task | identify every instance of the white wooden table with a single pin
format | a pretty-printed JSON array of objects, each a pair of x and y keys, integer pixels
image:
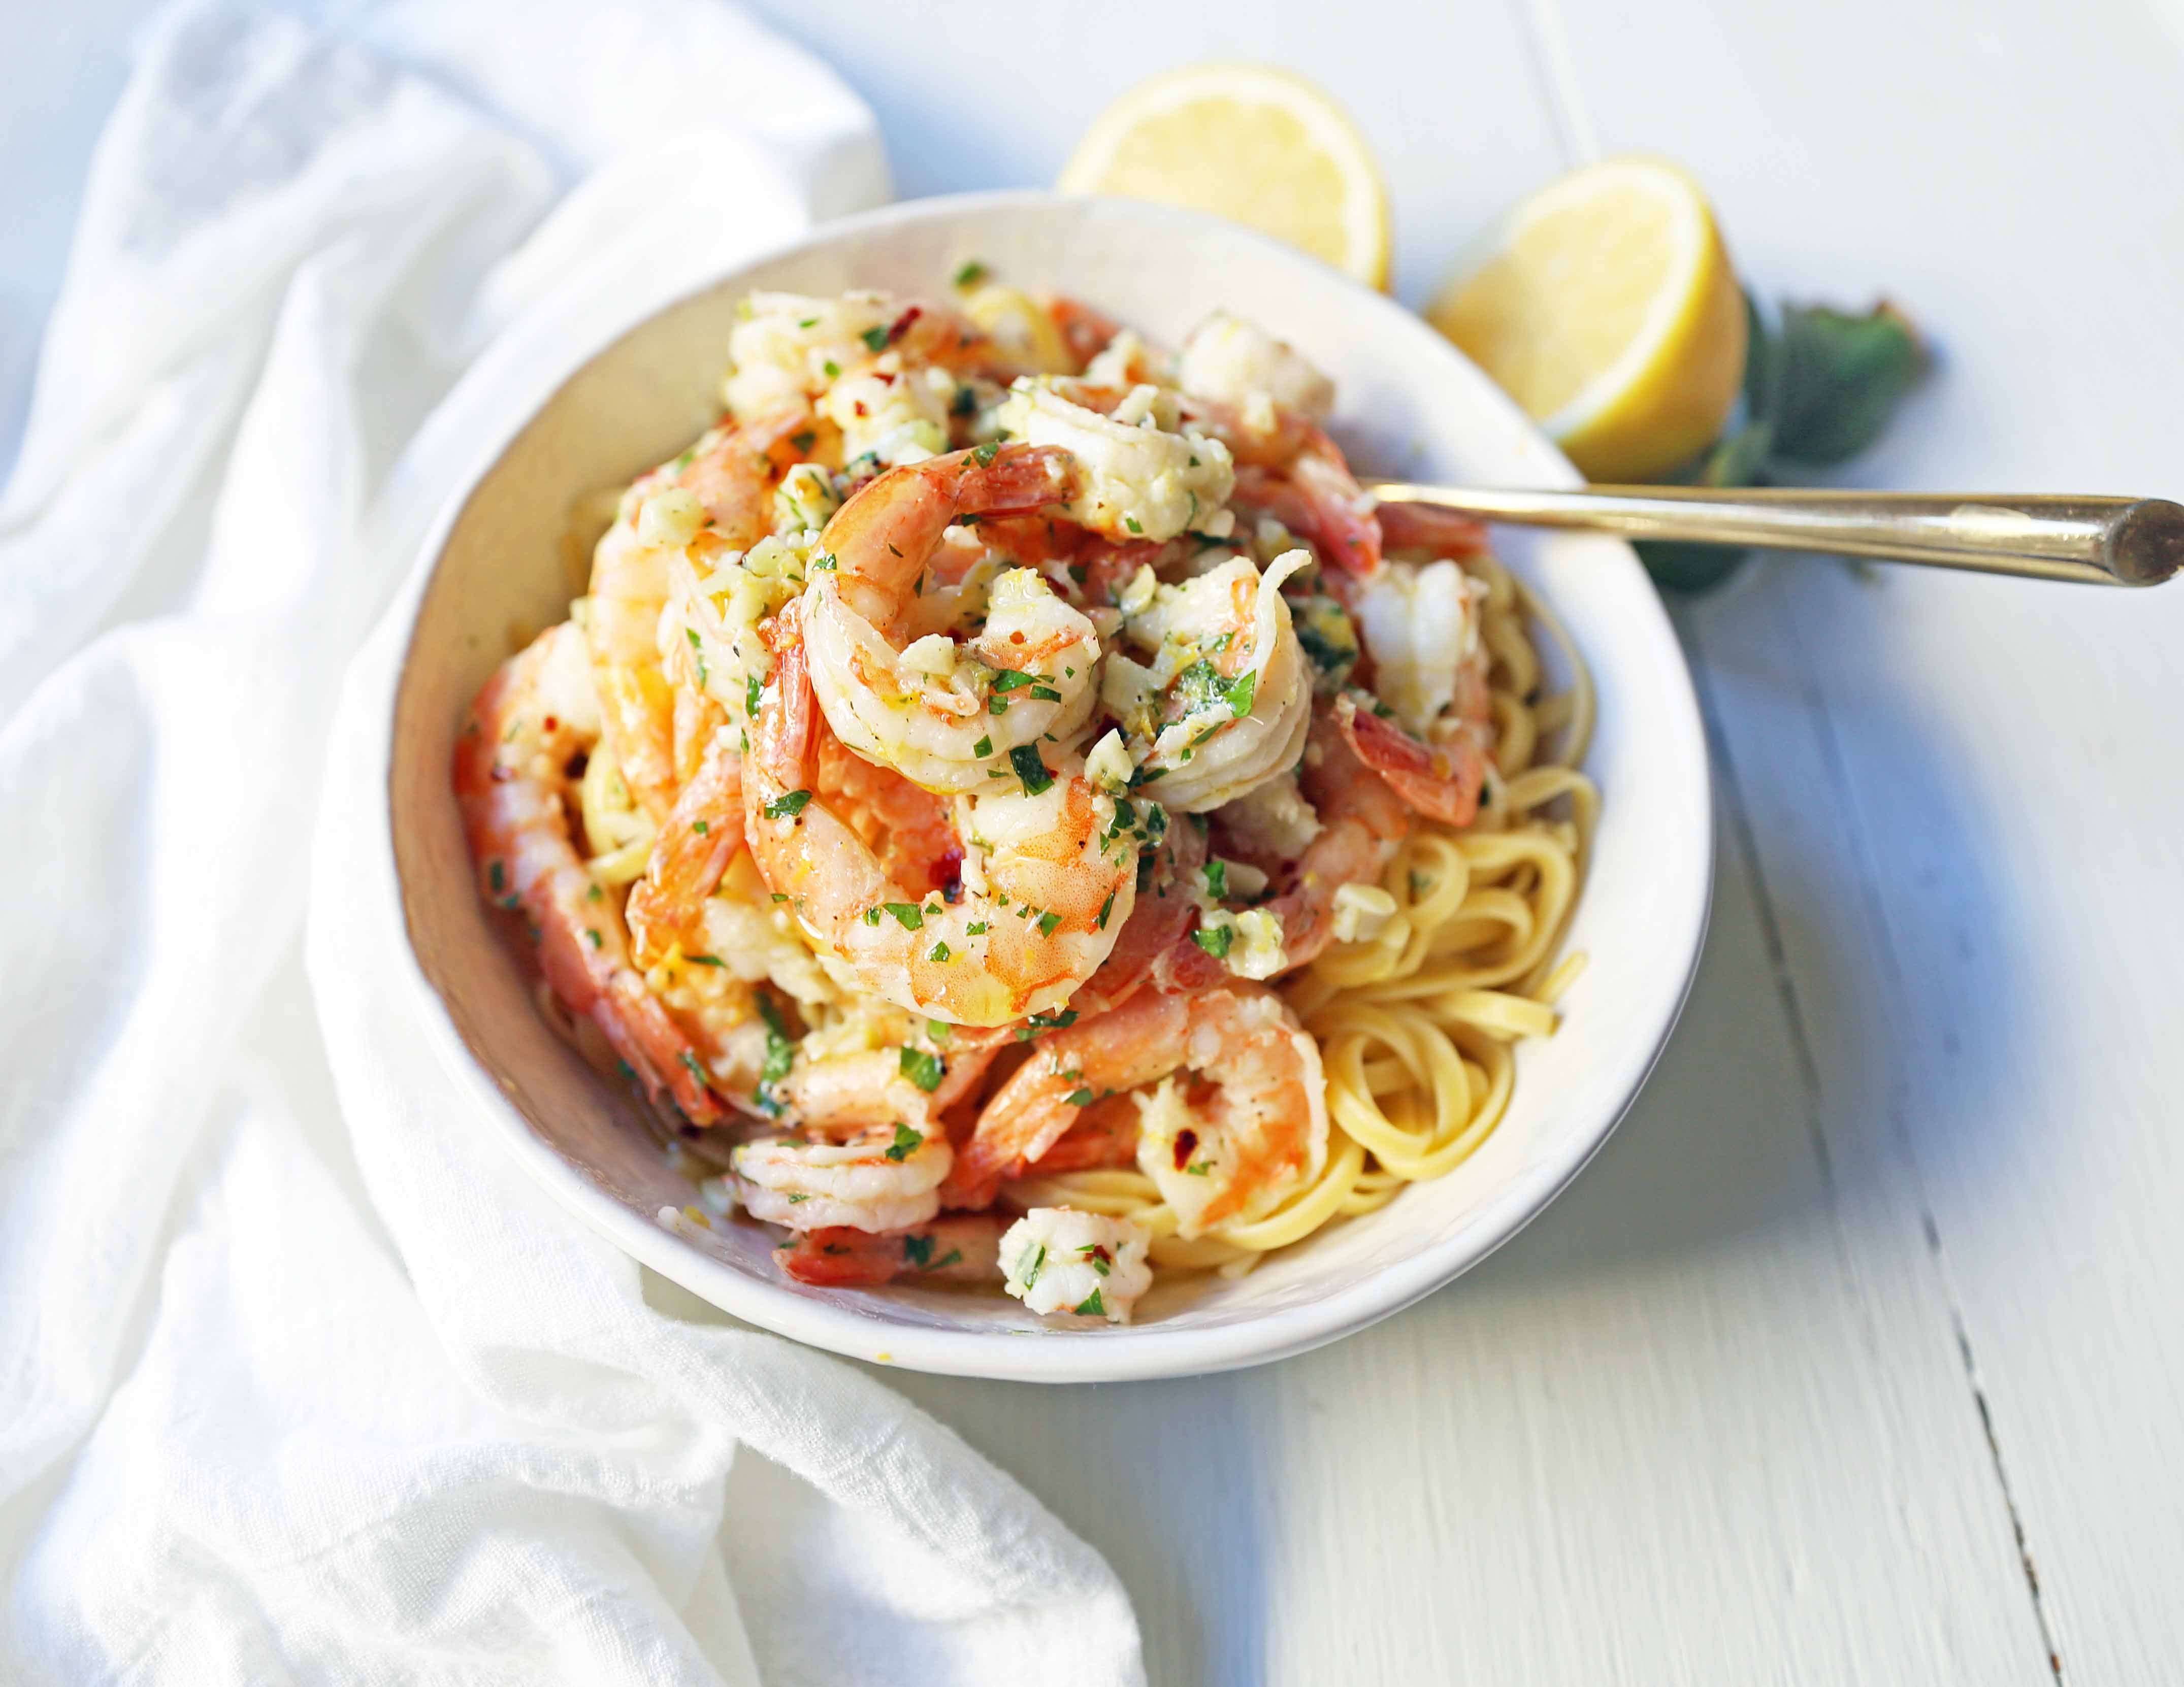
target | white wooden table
[{"x": 1857, "y": 1354}]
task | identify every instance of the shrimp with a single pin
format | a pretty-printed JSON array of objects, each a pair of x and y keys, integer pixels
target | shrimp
[
  {"x": 534, "y": 717},
  {"x": 1421, "y": 628},
  {"x": 1316, "y": 497},
  {"x": 1441, "y": 780},
  {"x": 718, "y": 500},
  {"x": 1360, "y": 819},
  {"x": 1048, "y": 880},
  {"x": 900, "y": 690},
  {"x": 854, "y": 1092},
  {"x": 958, "y": 1248},
  {"x": 1250, "y": 1123},
  {"x": 1224, "y": 699},
  {"x": 884, "y": 1179},
  {"x": 691, "y": 849},
  {"x": 1166, "y": 909}
]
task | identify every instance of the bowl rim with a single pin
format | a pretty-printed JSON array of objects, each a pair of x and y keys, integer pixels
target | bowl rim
[{"x": 567, "y": 341}]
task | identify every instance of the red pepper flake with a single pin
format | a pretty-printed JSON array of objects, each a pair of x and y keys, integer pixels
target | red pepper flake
[
  {"x": 552, "y": 724},
  {"x": 862, "y": 410},
  {"x": 1186, "y": 1145},
  {"x": 901, "y": 324}
]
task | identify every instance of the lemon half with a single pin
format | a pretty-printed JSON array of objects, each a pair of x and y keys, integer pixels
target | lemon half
[
  {"x": 1606, "y": 306},
  {"x": 1254, "y": 146}
]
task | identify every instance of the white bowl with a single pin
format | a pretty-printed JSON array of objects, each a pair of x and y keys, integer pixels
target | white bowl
[{"x": 1409, "y": 404}]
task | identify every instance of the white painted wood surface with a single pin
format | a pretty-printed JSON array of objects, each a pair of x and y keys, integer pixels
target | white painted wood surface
[{"x": 1872, "y": 1308}]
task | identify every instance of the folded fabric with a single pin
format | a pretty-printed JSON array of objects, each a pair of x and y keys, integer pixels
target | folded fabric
[{"x": 300, "y": 1379}]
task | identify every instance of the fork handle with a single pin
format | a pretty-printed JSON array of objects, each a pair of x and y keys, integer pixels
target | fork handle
[{"x": 2097, "y": 541}]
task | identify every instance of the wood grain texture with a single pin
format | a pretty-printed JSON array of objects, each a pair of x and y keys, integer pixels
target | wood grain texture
[{"x": 1967, "y": 793}]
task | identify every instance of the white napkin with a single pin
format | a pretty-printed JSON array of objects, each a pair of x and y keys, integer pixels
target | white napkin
[{"x": 284, "y": 1402}]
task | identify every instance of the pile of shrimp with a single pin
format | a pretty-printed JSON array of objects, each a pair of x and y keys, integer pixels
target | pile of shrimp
[{"x": 954, "y": 750}]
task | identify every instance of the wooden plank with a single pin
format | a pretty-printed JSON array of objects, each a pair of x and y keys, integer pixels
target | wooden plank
[{"x": 1972, "y": 849}]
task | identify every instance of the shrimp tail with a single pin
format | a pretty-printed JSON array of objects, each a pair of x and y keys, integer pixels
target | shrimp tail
[{"x": 1443, "y": 783}]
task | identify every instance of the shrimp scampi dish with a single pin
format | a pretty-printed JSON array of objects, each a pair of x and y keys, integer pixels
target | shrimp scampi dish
[{"x": 1019, "y": 816}]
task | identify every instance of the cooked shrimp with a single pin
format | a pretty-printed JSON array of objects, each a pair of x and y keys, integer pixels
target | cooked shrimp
[
  {"x": 691, "y": 849},
  {"x": 895, "y": 683},
  {"x": 534, "y": 717},
  {"x": 717, "y": 500},
  {"x": 871, "y": 1087},
  {"x": 791, "y": 347},
  {"x": 1049, "y": 877},
  {"x": 1167, "y": 907},
  {"x": 1442, "y": 779},
  {"x": 1224, "y": 698},
  {"x": 885, "y": 1180},
  {"x": 1057, "y": 1259},
  {"x": 1139, "y": 475},
  {"x": 1421, "y": 628},
  {"x": 1250, "y": 1125},
  {"x": 964, "y": 1247},
  {"x": 1358, "y": 821}
]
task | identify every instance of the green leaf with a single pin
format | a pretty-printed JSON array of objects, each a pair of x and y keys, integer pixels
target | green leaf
[
  {"x": 917, "y": 1250},
  {"x": 923, "y": 1069},
  {"x": 906, "y": 1140},
  {"x": 908, "y": 915},
  {"x": 1842, "y": 378},
  {"x": 789, "y": 803},
  {"x": 1024, "y": 758},
  {"x": 1090, "y": 1305},
  {"x": 1214, "y": 940}
]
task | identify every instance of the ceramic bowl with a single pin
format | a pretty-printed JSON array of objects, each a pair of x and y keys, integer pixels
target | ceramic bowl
[{"x": 1409, "y": 404}]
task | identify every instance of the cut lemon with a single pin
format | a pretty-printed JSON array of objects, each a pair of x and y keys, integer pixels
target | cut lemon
[
  {"x": 1254, "y": 146},
  {"x": 1606, "y": 306}
]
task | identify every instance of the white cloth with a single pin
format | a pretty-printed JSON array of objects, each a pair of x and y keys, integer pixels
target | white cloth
[{"x": 300, "y": 1379}]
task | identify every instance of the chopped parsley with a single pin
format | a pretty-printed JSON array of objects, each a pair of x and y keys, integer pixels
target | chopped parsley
[
  {"x": 908, "y": 915},
  {"x": 699, "y": 651},
  {"x": 977, "y": 930},
  {"x": 803, "y": 440},
  {"x": 497, "y": 876},
  {"x": 938, "y": 952},
  {"x": 1024, "y": 758},
  {"x": 875, "y": 339},
  {"x": 1106, "y": 909},
  {"x": 955, "y": 1257},
  {"x": 1047, "y": 923},
  {"x": 1131, "y": 523},
  {"x": 906, "y": 1140},
  {"x": 1036, "y": 1264},
  {"x": 984, "y": 455},
  {"x": 983, "y": 747},
  {"x": 917, "y": 1250},
  {"x": 966, "y": 403},
  {"x": 788, "y": 805},
  {"x": 700, "y": 827},
  {"x": 923, "y": 1069},
  {"x": 1090, "y": 1305},
  {"x": 596, "y": 939},
  {"x": 1012, "y": 679},
  {"x": 1216, "y": 878},
  {"x": 824, "y": 563},
  {"x": 832, "y": 368},
  {"x": 704, "y": 961},
  {"x": 1079, "y": 1097},
  {"x": 780, "y": 1054},
  {"x": 970, "y": 274},
  {"x": 1214, "y": 940},
  {"x": 750, "y": 696}
]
